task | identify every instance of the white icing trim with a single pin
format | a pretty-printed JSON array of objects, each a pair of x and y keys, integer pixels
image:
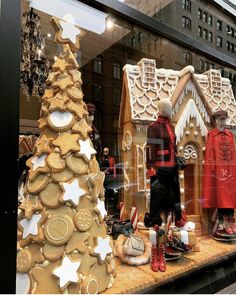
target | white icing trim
[
  {"x": 141, "y": 168},
  {"x": 190, "y": 87},
  {"x": 190, "y": 111}
]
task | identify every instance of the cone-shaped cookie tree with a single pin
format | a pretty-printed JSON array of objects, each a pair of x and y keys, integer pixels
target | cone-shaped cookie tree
[{"x": 63, "y": 246}]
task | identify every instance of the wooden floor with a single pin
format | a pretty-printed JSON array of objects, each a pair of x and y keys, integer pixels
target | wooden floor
[{"x": 135, "y": 279}]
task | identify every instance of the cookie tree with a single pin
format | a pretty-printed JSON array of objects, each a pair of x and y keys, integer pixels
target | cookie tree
[{"x": 62, "y": 241}]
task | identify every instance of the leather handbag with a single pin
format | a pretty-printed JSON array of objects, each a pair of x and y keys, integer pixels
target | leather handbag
[
  {"x": 133, "y": 246},
  {"x": 123, "y": 227}
]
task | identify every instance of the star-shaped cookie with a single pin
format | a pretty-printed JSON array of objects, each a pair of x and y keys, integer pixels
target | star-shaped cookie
[
  {"x": 77, "y": 242},
  {"x": 72, "y": 191},
  {"x": 61, "y": 64},
  {"x": 30, "y": 205},
  {"x": 96, "y": 183},
  {"x": 82, "y": 128},
  {"x": 86, "y": 149},
  {"x": 58, "y": 102},
  {"x": 67, "y": 33},
  {"x": 42, "y": 145},
  {"x": 37, "y": 166},
  {"x": 32, "y": 228},
  {"x": 67, "y": 272},
  {"x": 48, "y": 93},
  {"x": 102, "y": 248},
  {"x": 76, "y": 76},
  {"x": 53, "y": 75},
  {"x": 67, "y": 142},
  {"x": 63, "y": 81},
  {"x": 77, "y": 108},
  {"x": 43, "y": 122}
]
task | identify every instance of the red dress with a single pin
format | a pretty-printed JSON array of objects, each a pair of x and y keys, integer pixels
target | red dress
[{"x": 219, "y": 178}]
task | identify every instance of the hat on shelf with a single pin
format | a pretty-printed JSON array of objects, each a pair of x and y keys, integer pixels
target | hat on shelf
[
  {"x": 219, "y": 113},
  {"x": 91, "y": 108}
]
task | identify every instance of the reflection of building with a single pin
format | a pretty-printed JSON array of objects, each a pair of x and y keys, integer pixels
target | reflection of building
[
  {"x": 202, "y": 20},
  {"x": 194, "y": 97}
]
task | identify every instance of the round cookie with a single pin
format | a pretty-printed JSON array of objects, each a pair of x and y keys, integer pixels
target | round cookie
[
  {"x": 23, "y": 283},
  {"x": 50, "y": 195},
  {"x": 55, "y": 162},
  {"x": 76, "y": 165},
  {"x": 103, "y": 278},
  {"x": 58, "y": 229},
  {"x": 36, "y": 186},
  {"x": 60, "y": 121},
  {"x": 24, "y": 261},
  {"x": 62, "y": 210},
  {"x": 75, "y": 93},
  {"x": 90, "y": 285},
  {"x": 63, "y": 176},
  {"x": 52, "y": 252},
  {"x": 83, "y": 219}
]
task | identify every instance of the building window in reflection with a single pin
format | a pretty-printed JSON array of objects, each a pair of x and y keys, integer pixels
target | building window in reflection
[
  {"x": 186, "y": 23},
  {"x": 97, "y": 65},
  {"x": 97, "y": 92},
  {"x": 186, "y": 4},
  {"x": 133, "y": 41},
  {"x": 116, "y": 70},
  {"x": 219, "y": 41},
  {"x": 219, "y": 25},
  {"x": 187, "y": 58}
]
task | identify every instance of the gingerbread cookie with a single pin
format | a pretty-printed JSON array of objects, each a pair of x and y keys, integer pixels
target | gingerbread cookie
[
  {"x": 44, "y": 108},
  {"x": 52, "y": 252},
  {"x": 62, "y": 210},
  {"x": 46, "y": 282},
  {"x": 53, "y": 75},
  {"x": 35, "y": 250},
  {"x": 76, "y": 76},
  {"x": 87, "y": 261},
  {"x": 48, "y": 93},
  {"x": 75, "y": 93},
  {"x": 58, "y": 103},
  {"x": 32, "y": 228},
  {"x": 24, "y": 261},
  {"x": 67, "y": 142},
  {"x": 63, "y": 176},
  {"x": 72, "y": 191},
  {"x": 67, "y": 272},
  {"x": 86, "y": 149},
  {"x": 58, "y": 229},
  {"x": 103, "y": 278},
  {"x": 90, "y": 285},
  {"x": 37, "y": 166},
  {"x": 37, "y": 185},
  {"x": 43, "y": 122},
  {"x": 42, "y": 145},
  {"x": 82, "y": 128},
  {"x": 77, "y": 108},
  {"x": 30, "y": 205},
  {"x": 60, "y": 121},
  {"x": 83, "y": 219},
  {"x": 24, "y": 283},
  {"x": 102, "y": 248},
  {"x": 63, "y": 81},
  {"x": 96, "y": 182},
  {"x": 55, "y": 162},
  {"x": 49, "y": 133},
  {"x": 61, "y": 65},
  {"x": 50, "y": 195},
  {"x": 93, "y": 166},
  {"x": 77, "y": 242},
  {"x": 76, "y": 165}
]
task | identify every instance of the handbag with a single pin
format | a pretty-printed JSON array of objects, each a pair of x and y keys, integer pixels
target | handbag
[
  {"x": 180, "y": 162},
  {"x": 133, "y": 246},
  {"x": 121, "y": 227}
]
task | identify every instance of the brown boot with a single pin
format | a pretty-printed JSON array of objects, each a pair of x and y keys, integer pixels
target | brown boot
[
  {"x": 154, "y": 258},
  {"x": 162, "y": 260}
]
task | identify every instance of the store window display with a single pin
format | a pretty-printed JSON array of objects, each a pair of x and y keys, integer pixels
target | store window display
[{"x": 219, "y": 177}]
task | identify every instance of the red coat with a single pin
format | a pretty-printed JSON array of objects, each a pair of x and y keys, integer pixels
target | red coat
[{"x": 219, "y": 178}]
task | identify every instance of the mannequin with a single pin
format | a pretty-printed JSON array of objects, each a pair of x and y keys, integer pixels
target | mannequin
[
  {"x": 220, "y": 175},
  {"x": 108, "y": 163},
  {"x": 163, "y": 172},
  {"x": 94, "y": 135}
]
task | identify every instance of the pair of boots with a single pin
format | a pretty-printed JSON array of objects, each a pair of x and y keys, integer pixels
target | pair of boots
[
  {"x": 229, "y": 225},
  {"x": 158, "y": 261}
]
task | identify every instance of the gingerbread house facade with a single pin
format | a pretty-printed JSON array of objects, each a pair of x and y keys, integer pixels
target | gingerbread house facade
[{"x": 194, "y": 97}]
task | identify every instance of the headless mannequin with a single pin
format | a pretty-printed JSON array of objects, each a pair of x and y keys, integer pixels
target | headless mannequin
[{"x": 220, "y": 175}]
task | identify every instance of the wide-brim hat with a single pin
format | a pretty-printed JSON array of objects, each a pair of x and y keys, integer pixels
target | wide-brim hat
[{"x": 220, "y": 113}]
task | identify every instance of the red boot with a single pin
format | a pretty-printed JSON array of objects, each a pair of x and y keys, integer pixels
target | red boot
[
  {"x": 232, "y": 224},
  {"x": 227, "y": 226},
  {"x": 162, "y": 260},
  {"x": 154, "y": 259}
]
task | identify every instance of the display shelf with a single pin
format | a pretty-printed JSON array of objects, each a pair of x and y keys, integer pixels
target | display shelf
[{"x": 141, "y": 279}]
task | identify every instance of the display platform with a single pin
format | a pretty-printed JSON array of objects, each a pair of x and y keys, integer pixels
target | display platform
[{"x": 141, "y": 279}]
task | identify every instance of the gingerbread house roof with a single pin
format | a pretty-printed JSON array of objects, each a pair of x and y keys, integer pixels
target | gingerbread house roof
[{"x": 146, "y": 85}]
